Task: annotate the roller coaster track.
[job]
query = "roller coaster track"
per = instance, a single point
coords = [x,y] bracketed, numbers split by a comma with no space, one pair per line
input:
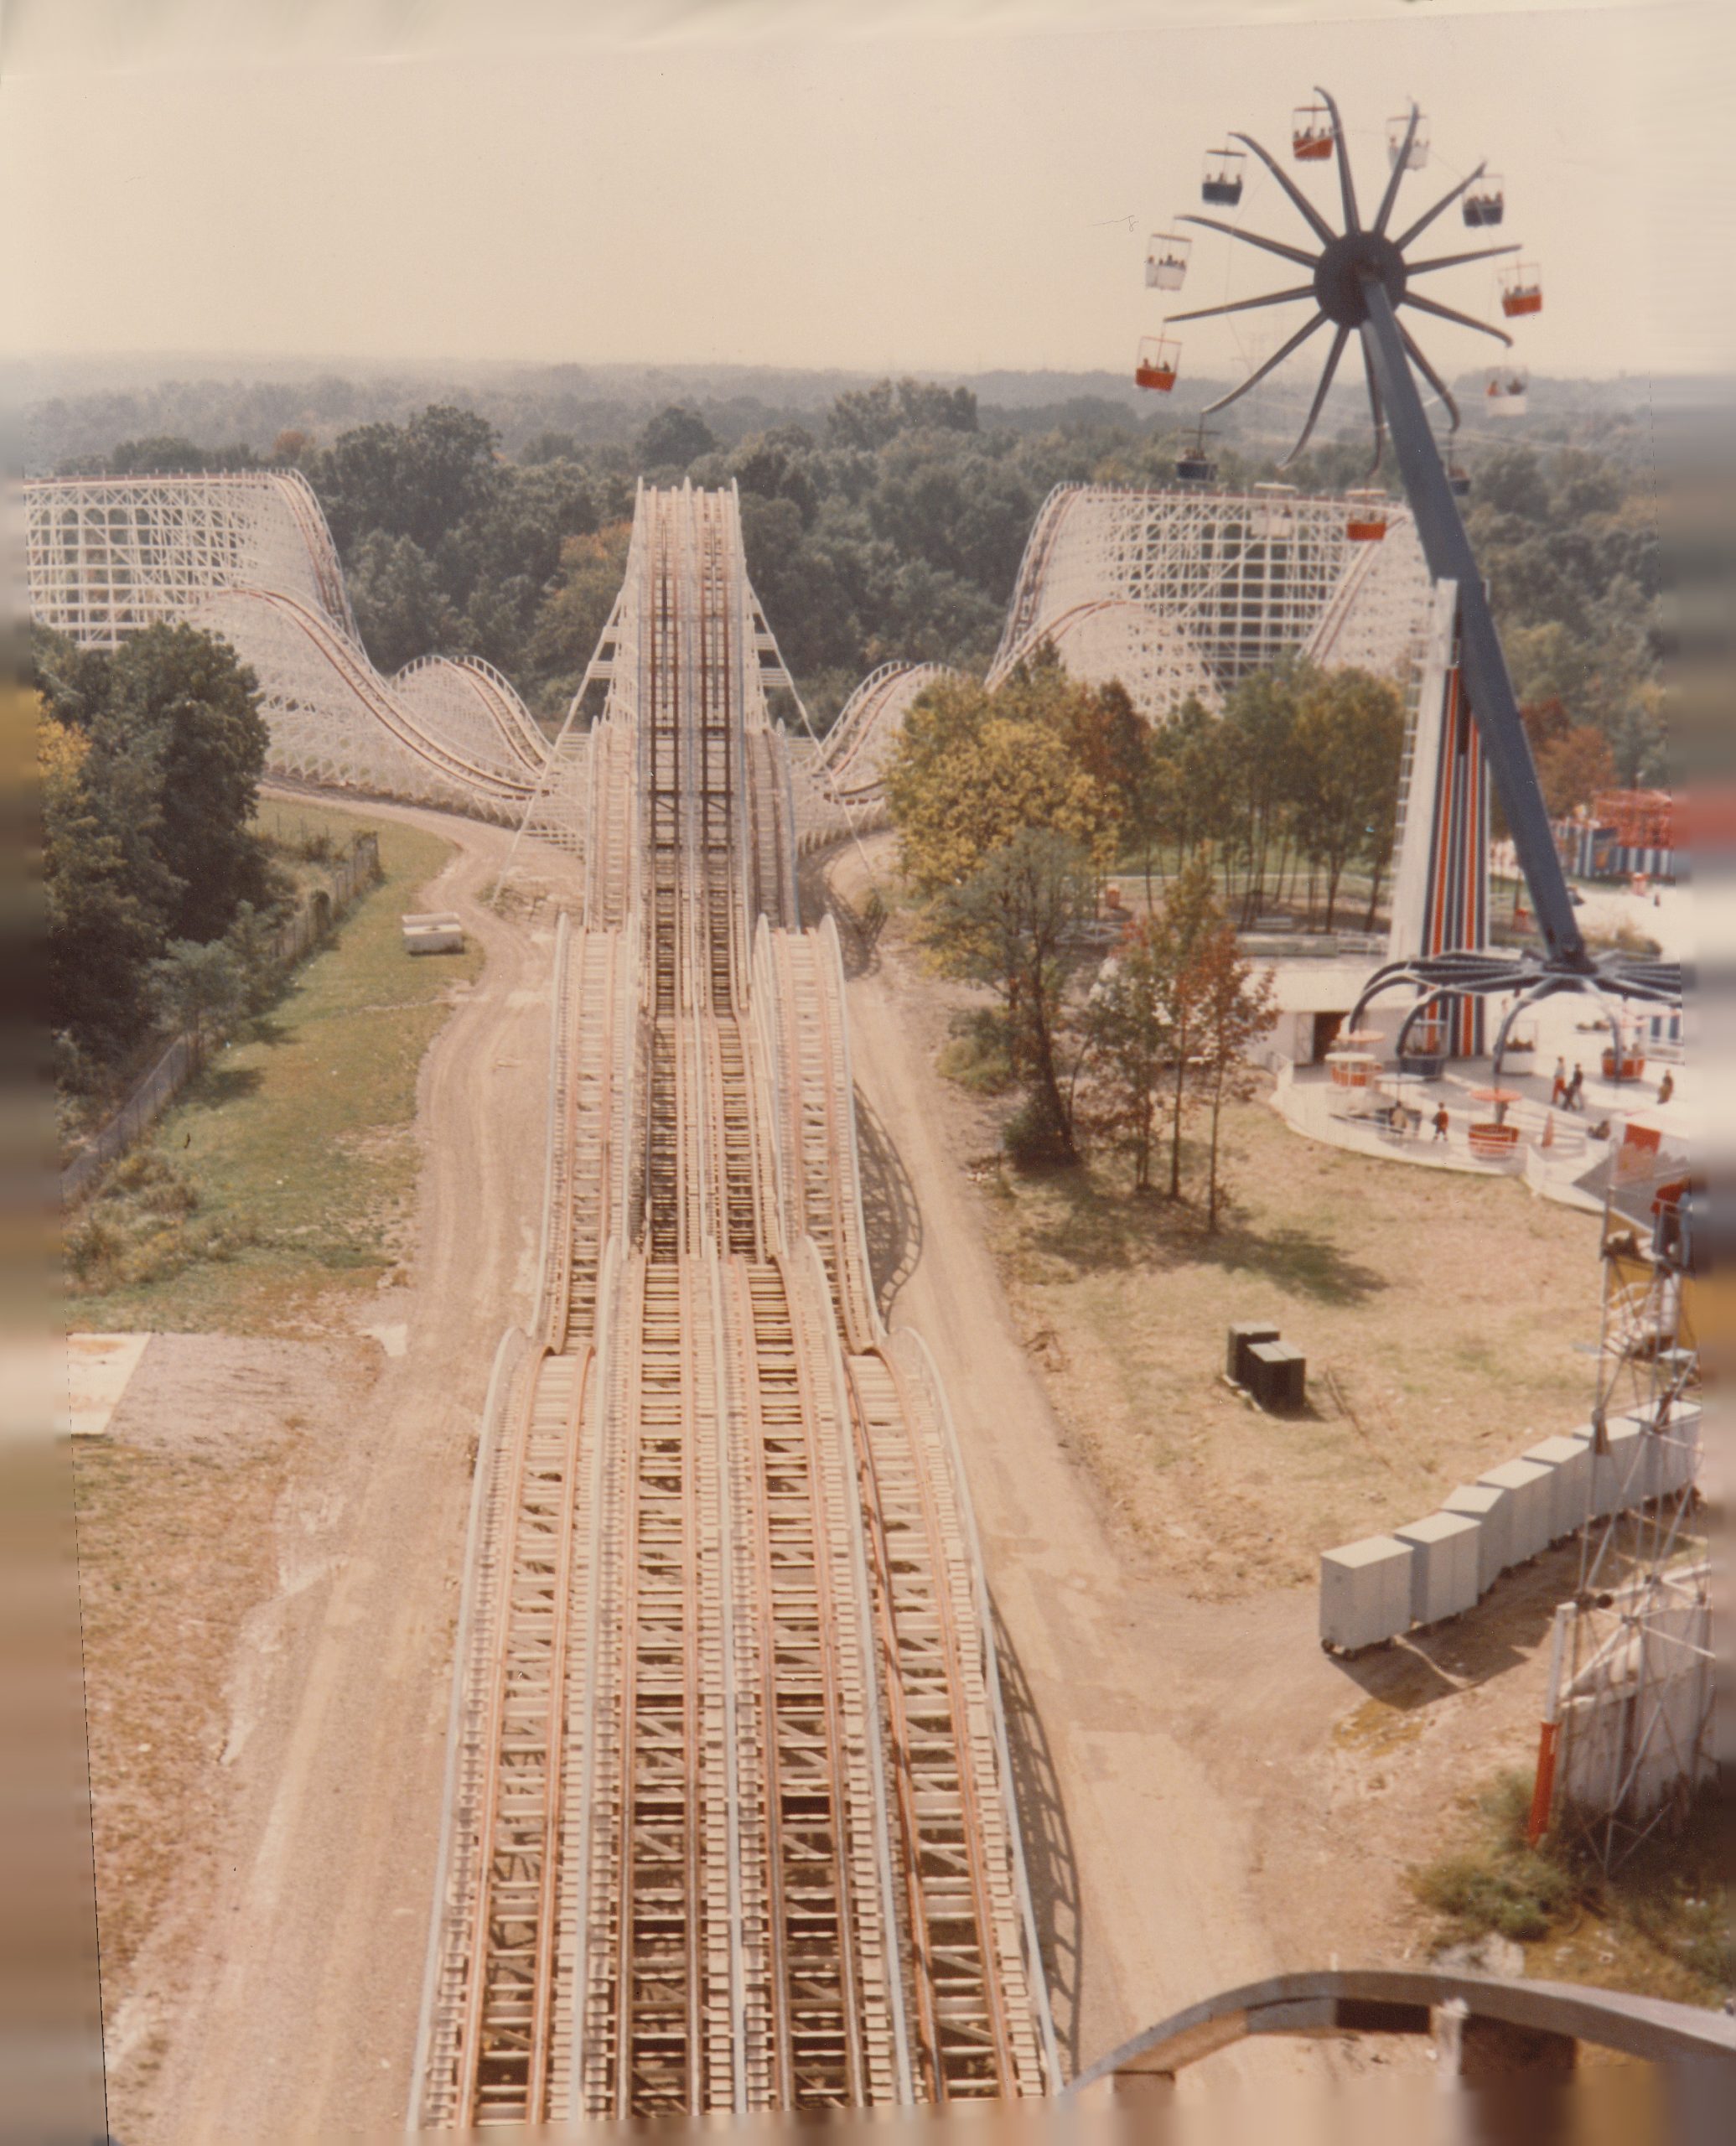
[483,785]
[729,1820]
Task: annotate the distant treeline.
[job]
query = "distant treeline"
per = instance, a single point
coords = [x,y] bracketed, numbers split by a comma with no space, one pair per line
[886,522]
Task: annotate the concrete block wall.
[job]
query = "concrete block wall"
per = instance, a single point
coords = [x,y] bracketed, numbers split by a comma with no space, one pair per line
[1429,1570]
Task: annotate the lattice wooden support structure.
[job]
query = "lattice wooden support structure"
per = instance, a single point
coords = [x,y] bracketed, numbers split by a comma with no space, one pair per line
[730,1821]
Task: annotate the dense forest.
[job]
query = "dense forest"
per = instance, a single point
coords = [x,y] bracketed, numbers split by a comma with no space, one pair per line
[882,520]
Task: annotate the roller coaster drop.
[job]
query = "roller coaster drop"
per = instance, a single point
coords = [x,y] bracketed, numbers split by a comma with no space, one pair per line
[729,1823]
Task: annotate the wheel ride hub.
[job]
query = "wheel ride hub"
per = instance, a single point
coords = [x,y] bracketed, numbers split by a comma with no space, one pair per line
[1346,265]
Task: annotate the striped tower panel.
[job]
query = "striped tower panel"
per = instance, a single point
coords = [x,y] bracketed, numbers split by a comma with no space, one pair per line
[1441,892]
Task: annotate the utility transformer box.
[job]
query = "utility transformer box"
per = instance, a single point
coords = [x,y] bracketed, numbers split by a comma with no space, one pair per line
[1278,1377]
[1242,1339]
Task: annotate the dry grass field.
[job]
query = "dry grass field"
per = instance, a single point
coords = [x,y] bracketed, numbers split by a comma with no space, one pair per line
[1440,1315]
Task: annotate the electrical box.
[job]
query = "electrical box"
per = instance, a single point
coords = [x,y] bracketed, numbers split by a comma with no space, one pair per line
[433,933]
[1278,1377]
[1444,1565]
[1365,1593]
[1242,1338]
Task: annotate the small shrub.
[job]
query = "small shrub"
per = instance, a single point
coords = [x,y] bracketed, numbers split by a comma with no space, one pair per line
[153,1182]
[1520,1896]
[1032,1137]
[93,1247]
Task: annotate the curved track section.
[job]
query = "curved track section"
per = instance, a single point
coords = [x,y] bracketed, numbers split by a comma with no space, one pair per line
[732,1826]
[249,556]
[840,785]
[1187,590]
[334,719]
[470,707]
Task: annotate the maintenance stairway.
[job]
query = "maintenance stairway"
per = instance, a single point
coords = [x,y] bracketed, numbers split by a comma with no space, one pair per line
[730,1821]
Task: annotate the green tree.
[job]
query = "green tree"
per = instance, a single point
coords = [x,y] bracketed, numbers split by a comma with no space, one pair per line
[677,436]
[402,610]
[1128,1026]
[1177,937]
[102,927]
[1259,759]
[200,990]
[1014,925]
[1233,1010]
[181,699]
[1348,740]
[972,769]
[1187,783]
[572,617]
[871,418]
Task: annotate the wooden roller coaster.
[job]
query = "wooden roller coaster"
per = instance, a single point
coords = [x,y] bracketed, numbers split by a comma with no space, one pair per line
[730,1824]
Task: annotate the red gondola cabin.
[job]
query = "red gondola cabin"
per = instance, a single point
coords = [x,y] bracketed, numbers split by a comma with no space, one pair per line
[1157,363]
[1521,290]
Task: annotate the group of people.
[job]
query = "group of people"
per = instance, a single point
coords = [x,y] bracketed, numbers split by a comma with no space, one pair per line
[1566,1093]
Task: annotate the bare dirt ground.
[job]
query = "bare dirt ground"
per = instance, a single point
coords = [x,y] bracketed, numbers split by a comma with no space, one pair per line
[271,1565]
[1210,1797]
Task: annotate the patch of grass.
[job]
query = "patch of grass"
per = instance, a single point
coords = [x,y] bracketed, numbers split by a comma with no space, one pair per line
[293,1156]
[1655,1926]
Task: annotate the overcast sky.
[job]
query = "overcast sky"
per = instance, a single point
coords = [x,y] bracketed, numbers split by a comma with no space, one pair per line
[961,187]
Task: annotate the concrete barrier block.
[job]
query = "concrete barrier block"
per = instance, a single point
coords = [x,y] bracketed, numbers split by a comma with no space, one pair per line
[1444,1564]
[1572,1463]
[1531,1506]
[1487,1504]
[1365,1592]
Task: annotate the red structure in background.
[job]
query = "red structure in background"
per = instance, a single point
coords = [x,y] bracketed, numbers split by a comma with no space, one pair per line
[1642,819]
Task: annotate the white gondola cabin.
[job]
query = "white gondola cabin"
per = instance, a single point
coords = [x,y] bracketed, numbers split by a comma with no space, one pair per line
[1311,134]
[1273,520]
[1166,261]
[1504,390]
[1486,202]
[1397,129]
[1221,184]
[1155,366]
[1522,289]
[1365,523]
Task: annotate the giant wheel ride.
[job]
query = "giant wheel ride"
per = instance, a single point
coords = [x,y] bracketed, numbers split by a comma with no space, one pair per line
[1359,278]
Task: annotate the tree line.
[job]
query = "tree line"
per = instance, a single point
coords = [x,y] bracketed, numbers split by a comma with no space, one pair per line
[892,526]
[161,904]
[1009,807]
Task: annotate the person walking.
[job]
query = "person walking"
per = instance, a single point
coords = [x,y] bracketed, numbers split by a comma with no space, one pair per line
[1575,1088]
[1559,1087]
[1667,1087]
[1441,1123]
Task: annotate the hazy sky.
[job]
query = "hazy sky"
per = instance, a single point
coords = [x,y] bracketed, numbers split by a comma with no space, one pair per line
[950,188]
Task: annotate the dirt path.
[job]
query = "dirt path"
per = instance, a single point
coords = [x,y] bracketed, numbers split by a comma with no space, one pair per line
[1208,1798]
[1142,1870]
[298,2014]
